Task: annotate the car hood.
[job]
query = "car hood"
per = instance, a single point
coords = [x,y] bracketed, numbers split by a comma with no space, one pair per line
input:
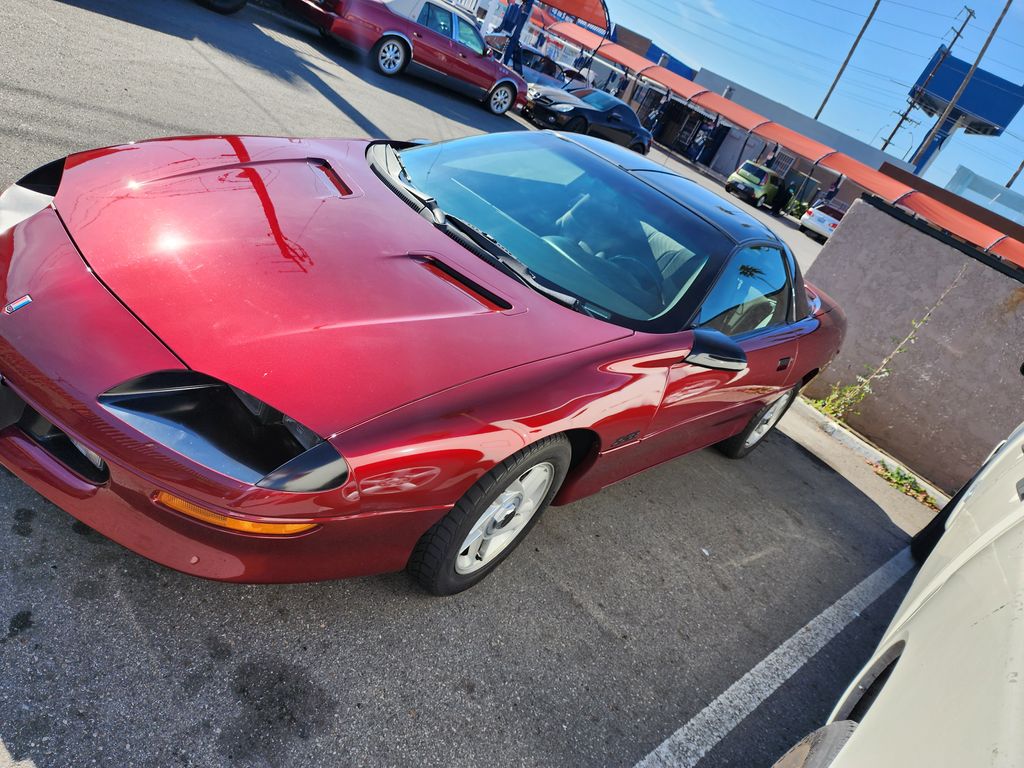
[289,270]
[559,96]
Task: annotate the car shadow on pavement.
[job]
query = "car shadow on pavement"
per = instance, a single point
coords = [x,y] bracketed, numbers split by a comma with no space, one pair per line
[243,37]
[617,620]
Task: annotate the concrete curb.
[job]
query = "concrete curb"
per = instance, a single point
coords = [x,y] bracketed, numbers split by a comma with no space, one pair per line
[849,439]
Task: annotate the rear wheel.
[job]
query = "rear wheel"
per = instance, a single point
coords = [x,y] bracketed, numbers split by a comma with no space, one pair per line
[638,148]
[491,520]
[738,446]
[501,99]
[224,6]
[390,56]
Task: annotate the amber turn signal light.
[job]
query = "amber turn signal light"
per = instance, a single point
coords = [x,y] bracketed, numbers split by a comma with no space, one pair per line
[223,521]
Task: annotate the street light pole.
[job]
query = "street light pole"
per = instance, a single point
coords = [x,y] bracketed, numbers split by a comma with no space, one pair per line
[938,64]
[963,87]
[847,60]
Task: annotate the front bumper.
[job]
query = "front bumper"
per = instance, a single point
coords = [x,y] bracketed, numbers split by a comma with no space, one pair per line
[122,510]
[547,118]
[74,341]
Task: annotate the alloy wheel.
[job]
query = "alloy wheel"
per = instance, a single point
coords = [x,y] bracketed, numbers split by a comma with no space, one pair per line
[497,528]
[390,57]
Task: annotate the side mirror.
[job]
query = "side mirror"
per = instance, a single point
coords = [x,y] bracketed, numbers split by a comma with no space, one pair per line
[713,349]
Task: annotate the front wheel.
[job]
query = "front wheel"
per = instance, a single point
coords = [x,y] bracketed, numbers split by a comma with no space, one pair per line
[738,446]
[577,125]
[501,99]
[390,56]
[492,518]
[224,6]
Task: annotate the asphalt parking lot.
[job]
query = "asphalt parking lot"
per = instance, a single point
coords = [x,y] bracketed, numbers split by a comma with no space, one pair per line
[621,618]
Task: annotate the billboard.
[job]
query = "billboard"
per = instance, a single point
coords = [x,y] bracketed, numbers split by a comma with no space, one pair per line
[987,105]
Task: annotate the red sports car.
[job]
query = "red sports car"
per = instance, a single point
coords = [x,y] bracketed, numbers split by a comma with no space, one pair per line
[267,360]
[436,40]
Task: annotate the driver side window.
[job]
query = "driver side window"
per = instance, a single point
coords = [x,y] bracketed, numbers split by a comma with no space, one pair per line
[751,294]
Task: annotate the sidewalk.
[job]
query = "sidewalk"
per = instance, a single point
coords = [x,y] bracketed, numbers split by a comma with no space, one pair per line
[849,455]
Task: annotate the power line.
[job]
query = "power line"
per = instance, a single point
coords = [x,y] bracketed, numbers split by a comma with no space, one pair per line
[919,9]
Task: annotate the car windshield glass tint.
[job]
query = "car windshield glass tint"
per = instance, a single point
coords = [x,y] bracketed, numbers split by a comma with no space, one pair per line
[754,172]
[835,213]
[580,224]
[596,98]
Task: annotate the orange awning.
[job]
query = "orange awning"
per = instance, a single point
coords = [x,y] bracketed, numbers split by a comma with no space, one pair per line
[574,33]
[591,11]
[794,142]
[963,226]
[873,181]
[730,110]
[1010,250]
[623,56]
[677,84]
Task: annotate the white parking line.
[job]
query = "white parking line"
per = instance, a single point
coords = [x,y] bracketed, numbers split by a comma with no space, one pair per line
[685,747]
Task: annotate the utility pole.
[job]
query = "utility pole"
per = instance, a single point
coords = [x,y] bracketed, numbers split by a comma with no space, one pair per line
[1015,174]
[847,61]
[924,86]
[963,86]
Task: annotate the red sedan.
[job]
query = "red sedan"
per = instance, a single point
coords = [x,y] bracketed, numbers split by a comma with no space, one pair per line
[436,40]
[267,360]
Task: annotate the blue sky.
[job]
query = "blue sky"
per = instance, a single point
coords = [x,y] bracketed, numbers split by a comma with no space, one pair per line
[790,51]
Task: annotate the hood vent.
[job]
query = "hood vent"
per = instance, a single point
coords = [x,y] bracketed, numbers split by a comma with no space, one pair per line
[331,175]
[466,284]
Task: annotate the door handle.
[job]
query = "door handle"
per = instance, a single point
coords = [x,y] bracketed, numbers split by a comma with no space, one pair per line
[784,363]
[462,55]
[416,34]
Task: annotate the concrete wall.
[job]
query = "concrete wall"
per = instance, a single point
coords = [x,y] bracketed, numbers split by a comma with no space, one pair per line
[956,389]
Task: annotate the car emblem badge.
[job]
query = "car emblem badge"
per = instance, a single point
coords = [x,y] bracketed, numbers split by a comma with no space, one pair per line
[14,306]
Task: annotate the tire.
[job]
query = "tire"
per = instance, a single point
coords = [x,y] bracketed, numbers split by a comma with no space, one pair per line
[501,98]
[577,125]
[224,6]
[638,148]
[803,229]
[390,56]
[444,560]
[820,748]
[763,422]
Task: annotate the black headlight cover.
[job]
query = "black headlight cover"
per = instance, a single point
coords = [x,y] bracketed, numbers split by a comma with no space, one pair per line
[227,430]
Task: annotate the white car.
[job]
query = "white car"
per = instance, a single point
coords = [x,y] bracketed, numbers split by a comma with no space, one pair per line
[821,220]
[945,686]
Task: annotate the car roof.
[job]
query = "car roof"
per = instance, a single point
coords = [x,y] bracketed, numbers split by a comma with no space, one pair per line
[731,220]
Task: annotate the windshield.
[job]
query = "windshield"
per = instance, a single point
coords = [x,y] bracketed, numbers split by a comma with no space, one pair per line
[596,98]
[754,172]
[580,224]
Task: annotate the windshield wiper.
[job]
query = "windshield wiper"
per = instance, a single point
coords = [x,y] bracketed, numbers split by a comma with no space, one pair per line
[502,258]
[472,237]
[391,166]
